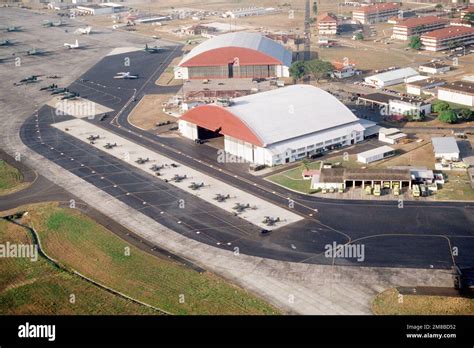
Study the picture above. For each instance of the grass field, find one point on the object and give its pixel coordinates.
(10, 178)
(79, 243)
(388, 303)
(39, 287)
(293, 178)
(458, 187)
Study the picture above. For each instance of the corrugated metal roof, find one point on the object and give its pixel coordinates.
(254, 41)
(291, 112)
(445, 145)
(394, 74)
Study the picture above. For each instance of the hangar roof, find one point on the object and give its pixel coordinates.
(222, 49)
(277, 115)
(445, 145)
(394, 74)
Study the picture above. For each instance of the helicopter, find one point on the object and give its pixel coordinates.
(270, 221)
(142, 160)
(93, 137)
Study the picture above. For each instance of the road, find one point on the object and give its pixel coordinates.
(422, 234)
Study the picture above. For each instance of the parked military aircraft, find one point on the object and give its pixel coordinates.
(48, 23)
(270, 221)
(221, 198)
(179, 178)
(125, 76)
(49, 88)
(239, 207)
(109, 146)
(32, 78)
(156, 167)
(93, 137)
(59, 91)
(142, 160)
(5, 42)
(195, 186)
(34, 52)
(72, 46)
(154, 49)
(70, 95)
(13, 29)
(83, 31)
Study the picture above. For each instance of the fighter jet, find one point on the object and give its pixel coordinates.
(72, 46)
(49, 88)
(59, 91)
(221, 198)
(155, 49)
(195, 186)
(13, 29)
(142, 160)
(70, 95)
(93, 137)
(110, 146)
(34, 52)
(125, 76)
(48, 23)
(54, 77)
(5, 42)
(270, 221)
(32, 78)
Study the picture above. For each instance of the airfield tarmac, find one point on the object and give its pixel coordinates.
(420, 235)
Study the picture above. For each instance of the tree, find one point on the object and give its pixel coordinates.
(415, 42)
(315, 8)
(448, 116)
(439, 7)
(298, 70)
(359, 36)
(319, 68)
(469, 17)
(465, 114)
(440, 106)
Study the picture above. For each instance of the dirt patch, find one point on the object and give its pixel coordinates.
(167, 78)
(149, 112)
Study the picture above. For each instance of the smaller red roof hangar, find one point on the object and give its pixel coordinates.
(213, 117)
(225, 55)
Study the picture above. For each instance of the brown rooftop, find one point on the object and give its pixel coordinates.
(340, 175)
(416, 22)
(460, 86)
(428, 82)
(448, 32)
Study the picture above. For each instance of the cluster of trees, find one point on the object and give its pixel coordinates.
(446, 113)
(415, 42)
(316, 68)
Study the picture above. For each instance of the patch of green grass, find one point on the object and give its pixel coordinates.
(293, 178)
(10, 177)
(38, 287)
(389, 303)
(80, 243)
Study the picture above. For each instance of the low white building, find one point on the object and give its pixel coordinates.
(390, 78)
(278, 126)
(424, 87)
(434, 68)
(409, 107)
(391, 135)
(445, 148)
(458, 92)
(376, 154)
